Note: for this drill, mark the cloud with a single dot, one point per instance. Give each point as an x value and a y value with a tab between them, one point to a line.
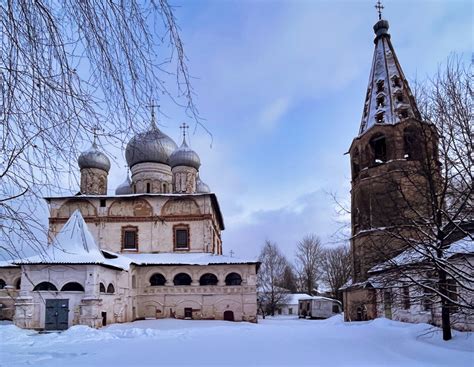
310	213
272	113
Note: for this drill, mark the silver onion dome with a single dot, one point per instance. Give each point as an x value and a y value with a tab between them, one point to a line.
125	188
94	158
201	187
150	146
185	156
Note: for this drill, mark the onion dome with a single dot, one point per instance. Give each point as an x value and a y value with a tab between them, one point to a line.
185	156
94	158
150	146
125	188
201	187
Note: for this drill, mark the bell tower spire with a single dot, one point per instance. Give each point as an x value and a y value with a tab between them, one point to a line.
388	99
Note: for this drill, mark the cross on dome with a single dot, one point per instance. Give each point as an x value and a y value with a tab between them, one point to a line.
152	106
184	127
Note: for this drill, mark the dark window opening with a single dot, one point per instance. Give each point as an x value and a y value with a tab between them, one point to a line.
45	286
72	287
335	308
380	85
428	298
233	279
208	279
290	311
399	97
403	114
130	238
379	118
2	284
148	188
103	203
379	149
157	279
380	101
181	238
110	288
134	189
104	318
102	288
396	81
165	188
411	144
182	279
18	284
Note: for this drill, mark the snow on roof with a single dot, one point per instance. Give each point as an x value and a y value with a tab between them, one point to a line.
7	264
318	298
200	258
421	253
295	297
74	244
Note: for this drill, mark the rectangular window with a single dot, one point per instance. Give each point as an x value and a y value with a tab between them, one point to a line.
103	203
181	238
406	297
290	311
130	238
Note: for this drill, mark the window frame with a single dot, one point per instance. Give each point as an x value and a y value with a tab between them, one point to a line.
181	227
129	229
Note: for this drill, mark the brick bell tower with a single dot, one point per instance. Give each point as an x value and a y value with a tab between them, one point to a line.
386	156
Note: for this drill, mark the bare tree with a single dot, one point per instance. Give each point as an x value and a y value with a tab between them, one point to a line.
269	279
336	268
308	262
289	280
66	68
433	200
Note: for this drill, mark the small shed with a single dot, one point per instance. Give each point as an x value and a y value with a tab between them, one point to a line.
290	306
318	307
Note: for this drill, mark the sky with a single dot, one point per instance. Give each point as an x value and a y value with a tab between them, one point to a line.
280	85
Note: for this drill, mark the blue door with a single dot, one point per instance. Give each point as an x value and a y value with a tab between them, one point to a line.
57	312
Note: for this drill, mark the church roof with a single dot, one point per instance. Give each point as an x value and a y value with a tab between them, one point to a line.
388	99
74	244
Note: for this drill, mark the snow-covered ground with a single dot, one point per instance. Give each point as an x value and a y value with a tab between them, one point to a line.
282	341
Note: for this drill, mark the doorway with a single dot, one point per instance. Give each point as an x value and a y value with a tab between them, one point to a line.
229	316
57	313
188	313
104	318
387	302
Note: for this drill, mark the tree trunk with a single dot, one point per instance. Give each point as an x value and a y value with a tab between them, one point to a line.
445	316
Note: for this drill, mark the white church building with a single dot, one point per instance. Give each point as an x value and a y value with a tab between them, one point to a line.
152	250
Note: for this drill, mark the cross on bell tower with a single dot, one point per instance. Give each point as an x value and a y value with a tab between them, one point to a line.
379	8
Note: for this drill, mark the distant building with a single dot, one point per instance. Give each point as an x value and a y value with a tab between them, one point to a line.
318	307
290	307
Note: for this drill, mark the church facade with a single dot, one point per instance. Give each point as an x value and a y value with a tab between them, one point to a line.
151	250
389	187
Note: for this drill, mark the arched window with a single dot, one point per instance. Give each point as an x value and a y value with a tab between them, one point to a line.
2	284
411	143
18	284
148	187
233	279
45	286
208	279
72	287
182	279
379	148
165	188
110	288
102	288
157	279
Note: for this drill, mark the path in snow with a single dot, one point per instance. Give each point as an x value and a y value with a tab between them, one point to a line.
272	342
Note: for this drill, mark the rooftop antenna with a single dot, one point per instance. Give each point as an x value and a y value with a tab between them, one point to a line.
379	8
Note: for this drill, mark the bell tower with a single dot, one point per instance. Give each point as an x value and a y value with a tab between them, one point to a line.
386	156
